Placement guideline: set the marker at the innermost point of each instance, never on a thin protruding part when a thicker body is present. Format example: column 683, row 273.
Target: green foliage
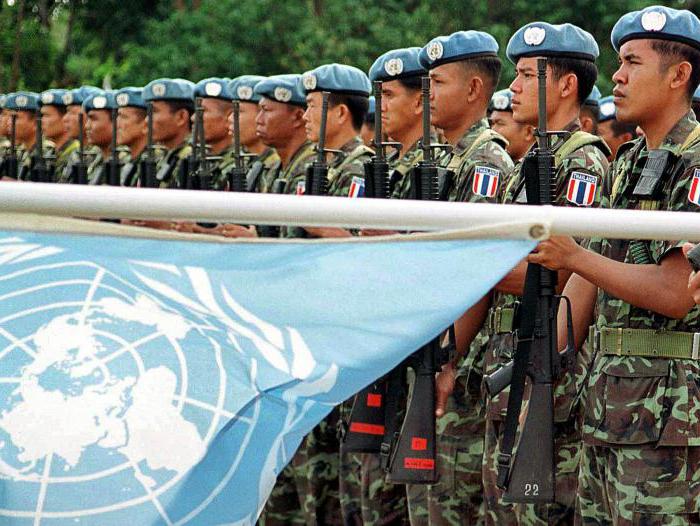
column 130, row 42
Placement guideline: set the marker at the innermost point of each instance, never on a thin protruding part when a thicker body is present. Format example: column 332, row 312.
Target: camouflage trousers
column 306, row 491
column 457, row 499
column 567, row 445
column 629, row 485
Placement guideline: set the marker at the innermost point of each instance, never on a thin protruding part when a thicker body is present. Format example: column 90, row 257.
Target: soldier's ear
column 475, row 88
column 418, row 103
column 681, row 74
column 568, row 86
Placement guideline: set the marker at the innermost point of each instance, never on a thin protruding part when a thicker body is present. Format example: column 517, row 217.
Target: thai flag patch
column 694, row 193
column 485, row 181
column 301, row 188
column 582, row 189
column 357, row 187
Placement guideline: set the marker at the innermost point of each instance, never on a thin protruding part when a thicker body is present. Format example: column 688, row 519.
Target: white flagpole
column 243, row 208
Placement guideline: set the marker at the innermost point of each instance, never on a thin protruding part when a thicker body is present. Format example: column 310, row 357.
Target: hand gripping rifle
column 413, row 458
column 11, row 166
column 529, row 476
column 317, row 174
column 149, row 165
column 114, row 167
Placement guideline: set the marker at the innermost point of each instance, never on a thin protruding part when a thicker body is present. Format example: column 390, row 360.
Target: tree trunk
column 17, row 51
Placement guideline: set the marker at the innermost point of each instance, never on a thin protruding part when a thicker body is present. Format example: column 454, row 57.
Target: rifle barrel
column 321, row 156
column 378, row 139
column 237, row 134
column 425, row 92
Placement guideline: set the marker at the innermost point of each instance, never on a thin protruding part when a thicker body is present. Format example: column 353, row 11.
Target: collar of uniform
column 470, row 136
column 680, row 131
column 572, row 127
column 304, row 148
column 68, row 144
column 346, row 149
column 265, row 154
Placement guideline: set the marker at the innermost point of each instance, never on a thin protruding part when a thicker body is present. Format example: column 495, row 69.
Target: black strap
column 392, row 427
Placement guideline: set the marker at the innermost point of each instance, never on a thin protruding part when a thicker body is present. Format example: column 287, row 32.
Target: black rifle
column 530, row 477
column 317, row 173
column 113, row 167
column 79, row 170
column 11, row 166
column 237, row 176
column 40, row 171
column 377, row 182
column 148, row 168
column 413, row 455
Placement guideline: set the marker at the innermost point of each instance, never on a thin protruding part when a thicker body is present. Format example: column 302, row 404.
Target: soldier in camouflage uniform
column 173, row 106
column 26, row 106
column 641, row 461
column 520, row 137
column 581, row 165
column 590, row 111
column 464, row 70
column 53, row 110
column 5, row 142
column 367, row 131
column 614, row 132
column 98, row 108
column 216, row 109
column 73, row 101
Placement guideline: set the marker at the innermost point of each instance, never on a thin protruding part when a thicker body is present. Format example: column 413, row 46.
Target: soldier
column 580, row 161
column 26, row 106
column 464, row 71
column 217, row 108
column 5, row 141
column 694, row 280
column 520, row 137
column 641, row 430
column 367, row 132
column 263, row 167
column 53, row 109
column 615, row 133
column 349, row 88
column 173, row 106
column 98, row 108
column 589, row 112
column 73, row 101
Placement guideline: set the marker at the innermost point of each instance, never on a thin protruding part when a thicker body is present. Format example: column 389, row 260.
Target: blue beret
column 53, row 97
column 2, row 100
column 606, row 109
column 282, row 88
column 337, row 78
column 593, row 98
column 397, row 64
column 102, row 100
column 22, row 101
column 461, row 45
column 77, row 96
column 212, row 88
column 169, row 89
column 502, row 100
column 372, row 109
column 696, row 95
column 243, row 88
column 540, row 39
column 658, row 22
column 130, row 97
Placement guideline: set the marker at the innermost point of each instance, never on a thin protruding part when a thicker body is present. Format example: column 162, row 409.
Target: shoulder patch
column 357, row 187
column 486, row 181
column 582, row 188
column 694, row 192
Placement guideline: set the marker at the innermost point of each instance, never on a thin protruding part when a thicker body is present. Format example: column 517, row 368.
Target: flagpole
column 243, row 208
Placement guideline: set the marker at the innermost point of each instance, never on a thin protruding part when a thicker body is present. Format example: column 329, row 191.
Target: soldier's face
column 131, row 126
column 99, row 128
column 312, row 115
column 247, row 122
column 165, row 121
column 524, row 88
column 274, row 122
column 447, row 95
column 25, row 128
column 52, row 122
column 520, row 136
column 71, row 122
column 640, row 67
column 401, row 108
column 4, row 123
column 215, row 117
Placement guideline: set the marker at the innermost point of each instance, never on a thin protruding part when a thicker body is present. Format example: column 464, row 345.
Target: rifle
column 413, row 458
column 317, row 174
column 377, row 183
column 113, row 165
column 529, row 477
column 40, row 172
column 237, row 176
column 79, row 175
column 148, row 168
column 11, row 164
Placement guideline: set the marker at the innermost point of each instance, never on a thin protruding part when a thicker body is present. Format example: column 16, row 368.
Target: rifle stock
column 317, row 175
column 39, row 172
column 113, row 165
column 237, row 176
column 148, row 171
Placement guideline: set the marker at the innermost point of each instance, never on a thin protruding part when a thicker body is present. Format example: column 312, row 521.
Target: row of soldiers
column 626, row 423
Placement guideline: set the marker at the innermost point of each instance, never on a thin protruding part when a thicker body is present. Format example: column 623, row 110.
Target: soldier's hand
column 555, row 253
column 238, row 231
column 694, row 279
column 369, row 232
column 444, row 385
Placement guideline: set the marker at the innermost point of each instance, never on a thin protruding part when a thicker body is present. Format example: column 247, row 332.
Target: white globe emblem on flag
column 435, row 50
column 245, row 92
column 394, row 67
column 653, row 20
column 97, row 392
column 534, row 35
column 309, row 81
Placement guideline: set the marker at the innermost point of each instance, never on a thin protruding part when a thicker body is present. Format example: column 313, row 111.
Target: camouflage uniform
column 66, row 174
column 63, row 157
column 25, row 161
column 588, row 158
column 400, row 168
column 168, row 167
column 641, row 430
column 97, row 168
column 457, row 498
column 263, row 171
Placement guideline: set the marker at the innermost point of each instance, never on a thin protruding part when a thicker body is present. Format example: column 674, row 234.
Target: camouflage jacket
column 589, row 164
column 294, row 175
column 26, row 161
column 5, row 148
column 348, row 169
column 634, row 400
column 63, row 157
column 480, row 165
column 264, row 169
column 66, row 174
column 400, row 168
column 169, row 167
column 97, row 169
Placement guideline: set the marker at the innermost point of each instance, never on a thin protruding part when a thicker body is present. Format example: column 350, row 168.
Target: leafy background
column 115, row 43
